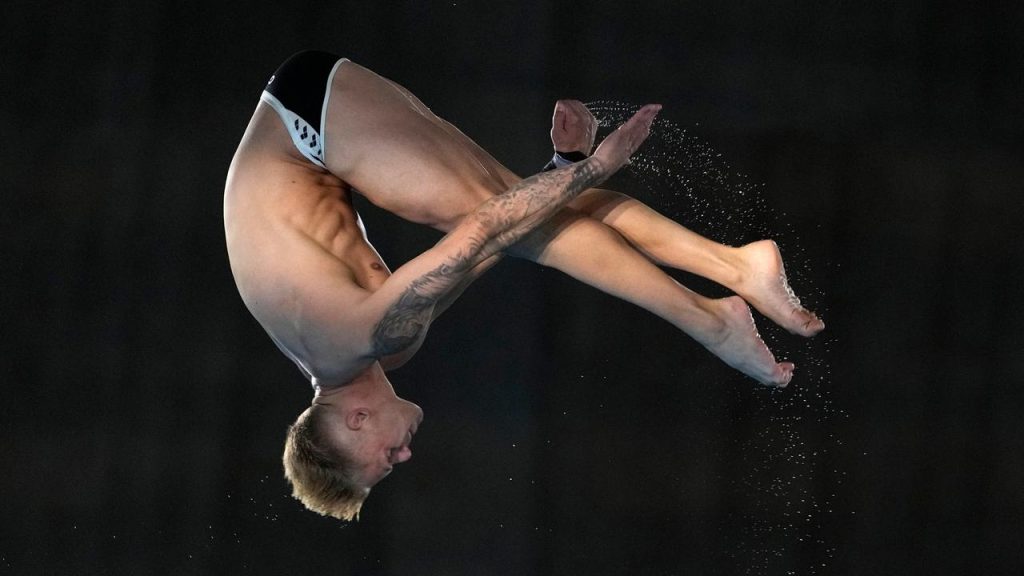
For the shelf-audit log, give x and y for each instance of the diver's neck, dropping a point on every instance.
(370, 385)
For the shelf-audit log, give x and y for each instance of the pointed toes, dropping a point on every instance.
(808, 324)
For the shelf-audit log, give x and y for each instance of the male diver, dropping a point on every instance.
(326, 127)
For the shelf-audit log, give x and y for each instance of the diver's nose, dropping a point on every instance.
(403, 454)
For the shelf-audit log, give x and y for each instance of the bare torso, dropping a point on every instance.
(291, 225)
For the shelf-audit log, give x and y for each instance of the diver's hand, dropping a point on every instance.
(573, 127)
(615, 150)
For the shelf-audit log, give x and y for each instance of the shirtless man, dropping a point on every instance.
(305, 269)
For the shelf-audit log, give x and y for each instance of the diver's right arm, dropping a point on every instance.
(401, 310)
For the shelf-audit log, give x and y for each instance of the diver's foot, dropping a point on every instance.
(765, 287)
(739, 345)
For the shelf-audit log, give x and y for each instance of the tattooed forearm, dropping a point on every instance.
(512, 215)
(408, 318)
(495, 225)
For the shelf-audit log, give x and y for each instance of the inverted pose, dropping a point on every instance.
(326, 127)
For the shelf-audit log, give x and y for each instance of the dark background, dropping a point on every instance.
(143, 409)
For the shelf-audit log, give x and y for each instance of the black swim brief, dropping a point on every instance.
(298, 91)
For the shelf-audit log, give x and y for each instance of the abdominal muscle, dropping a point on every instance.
(287, 221)
(285, 217)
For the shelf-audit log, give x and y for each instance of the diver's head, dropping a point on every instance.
(345, 443)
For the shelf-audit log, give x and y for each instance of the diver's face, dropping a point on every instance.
(387, 435)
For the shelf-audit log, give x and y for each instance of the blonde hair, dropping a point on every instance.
(323, 476)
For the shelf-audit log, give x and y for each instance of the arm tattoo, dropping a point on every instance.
(406, 320)
(500, 222)
(510, 216)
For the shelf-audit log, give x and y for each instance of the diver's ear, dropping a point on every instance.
(356, 418)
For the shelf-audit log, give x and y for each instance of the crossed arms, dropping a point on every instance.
(364, 326)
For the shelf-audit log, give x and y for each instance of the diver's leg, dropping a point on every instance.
(754, 271)
(592, 252)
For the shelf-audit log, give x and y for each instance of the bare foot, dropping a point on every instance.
(765, 287)
(740, 346)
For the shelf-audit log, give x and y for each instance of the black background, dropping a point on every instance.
(143, 409)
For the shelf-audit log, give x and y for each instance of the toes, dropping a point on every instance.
(807, 323)
(783, 374)
(816, 326)
(813, 325)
